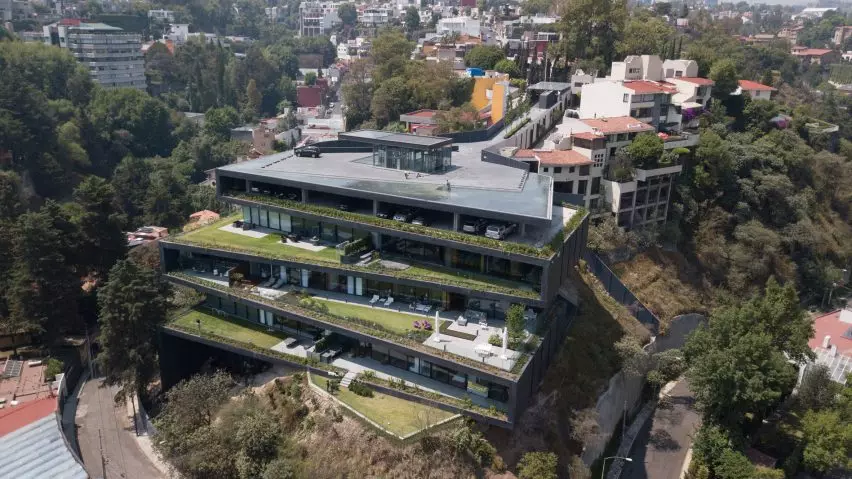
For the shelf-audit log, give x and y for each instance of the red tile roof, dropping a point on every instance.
(562, 157)
(422, 113)
(697, 80)
(749, 85)
(811, 52)
(645, 86)
(831, 325)
(13, 418)
(616, 124)
(524, 153)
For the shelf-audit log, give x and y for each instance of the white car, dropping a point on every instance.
(499, 232)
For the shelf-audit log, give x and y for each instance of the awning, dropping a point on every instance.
(689, 105)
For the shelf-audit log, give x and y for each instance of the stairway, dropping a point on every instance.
(348, 378)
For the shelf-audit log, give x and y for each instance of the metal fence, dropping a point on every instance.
(619, 291)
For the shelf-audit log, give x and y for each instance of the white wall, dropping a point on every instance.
(604, 99)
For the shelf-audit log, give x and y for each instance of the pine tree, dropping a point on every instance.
(132, 305)
(102, 241)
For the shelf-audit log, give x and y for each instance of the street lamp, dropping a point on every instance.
(603, 464)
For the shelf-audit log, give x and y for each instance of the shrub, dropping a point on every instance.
(368, 374)
(537, 465)
(333, 385)
(54, 367)
(495, 340)
(498, 464)
(360, 389)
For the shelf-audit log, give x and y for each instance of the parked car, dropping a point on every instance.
(499, 232)
(420, 221)
(310, 151)
(474, 226)
(404, 216)
(386, 214)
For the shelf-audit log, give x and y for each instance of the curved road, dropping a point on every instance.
(663, 443)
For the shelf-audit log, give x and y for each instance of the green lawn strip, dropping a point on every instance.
(398, 322)
(238, 330)
(271, 243)
(399, 416)
(438, 274)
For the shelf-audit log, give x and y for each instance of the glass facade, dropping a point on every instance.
(423, 161)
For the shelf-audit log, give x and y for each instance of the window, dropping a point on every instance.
(544, 169)
(571, 170)
(678, 74)
(584, 170)
(626, 98)
(581, 187)
(596, 185)
(557, 169)
(563, 186)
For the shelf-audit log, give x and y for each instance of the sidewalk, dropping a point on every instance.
(143, 440)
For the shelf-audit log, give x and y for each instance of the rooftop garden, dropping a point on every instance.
(544, 252)
(270, 246)
(399, 416)
(238, 333)
(387, 325)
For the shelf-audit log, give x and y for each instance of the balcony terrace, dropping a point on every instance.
(267, 244)
(466, 345)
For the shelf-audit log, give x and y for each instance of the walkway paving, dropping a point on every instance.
(106, 437)
(664, 443)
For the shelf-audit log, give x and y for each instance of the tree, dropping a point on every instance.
(484, 56)
(515, 322)
(757, 113)
(538, 465)
(218, 122)
(251, 108)
(646, 150)
(733, 465)
(390, 100)
(591, 28)
(536, 7)
(310, 78)
(130, 117)
(817, 390)
(725, 77)
(44, 285)
(412, 19)
(102, 239)
(646, 35)
(390, 53)
(348, 14)
(166, 203)
(828, 441)
(132, 305)
(508, 67)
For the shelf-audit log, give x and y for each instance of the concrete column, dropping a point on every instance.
(375, 207)
(248, 186)
(456, 221)
(304, 195)
(377, 240)
(448, 257)
(523, 229)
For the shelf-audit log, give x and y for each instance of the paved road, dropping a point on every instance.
(100, 423)
(662, 445)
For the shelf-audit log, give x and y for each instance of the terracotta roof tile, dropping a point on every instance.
(749, 85)
(645, 86)
(617, 124)
(562, 157)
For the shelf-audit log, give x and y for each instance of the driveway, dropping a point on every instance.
(662, 445)
(103, 426)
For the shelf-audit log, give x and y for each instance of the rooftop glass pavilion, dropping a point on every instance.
(405, 152)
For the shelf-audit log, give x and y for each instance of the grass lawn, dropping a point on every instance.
(212, 236)
(236, 329)
(397, 415)
(398, 322)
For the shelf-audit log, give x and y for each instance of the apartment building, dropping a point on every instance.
(841, 33)
(666, 94)
(15, 10)
(459, 25)
(317, 18)
(162, 15)
(375, 16)
(388, 227)
(114, 57)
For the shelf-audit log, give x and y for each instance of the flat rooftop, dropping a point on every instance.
(396, 139)
(470, 185)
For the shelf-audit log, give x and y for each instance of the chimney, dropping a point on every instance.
(826, 341)
(833, 350)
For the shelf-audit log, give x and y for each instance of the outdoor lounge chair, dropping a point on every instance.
(278, 283)
(268, 282)
(389, 301)
(375, 299)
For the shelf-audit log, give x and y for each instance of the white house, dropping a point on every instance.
(757, 91)
(460, 25)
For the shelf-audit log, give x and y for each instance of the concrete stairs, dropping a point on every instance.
(347, 379)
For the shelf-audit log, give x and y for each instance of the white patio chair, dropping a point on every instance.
(389, 301)
(375, 299)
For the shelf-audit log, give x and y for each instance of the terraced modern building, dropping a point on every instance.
(374, 256)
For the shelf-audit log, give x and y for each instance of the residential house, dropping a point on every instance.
(832, 343)
(819, 56)
(756, 91)
(459, 25)
(841, 34)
